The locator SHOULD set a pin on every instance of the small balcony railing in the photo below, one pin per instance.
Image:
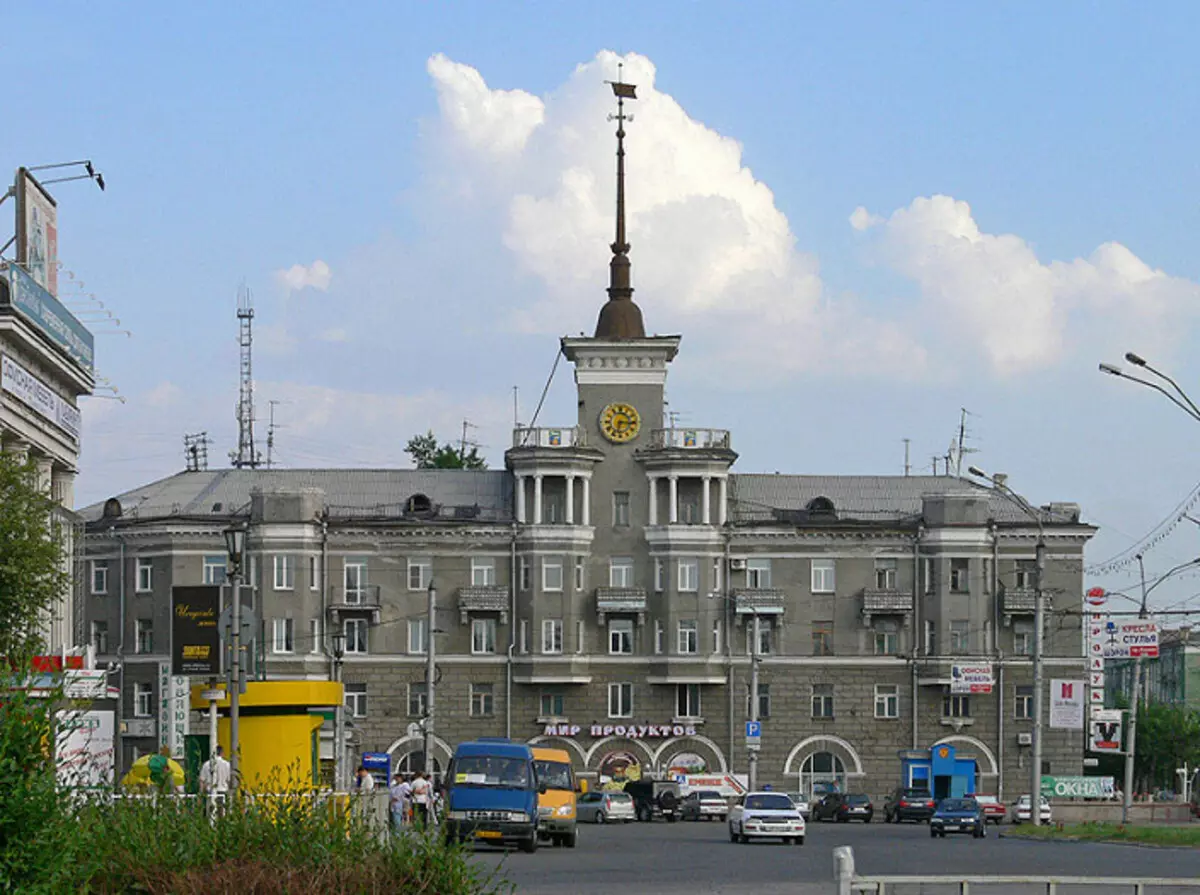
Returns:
(690, 439)
(355, 601)
(886, 601)
(483, 599)
(616, 600)
(752, 601)
(1022, 601)
(547, 437)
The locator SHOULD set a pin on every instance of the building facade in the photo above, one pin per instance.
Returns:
(1171, 679)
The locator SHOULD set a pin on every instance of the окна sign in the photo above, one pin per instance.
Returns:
(631, 731)
(1077, 787)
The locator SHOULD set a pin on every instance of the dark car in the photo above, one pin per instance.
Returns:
(958, 816)
(843, 807)
(655, 798)
(703, 805)
(908, 803)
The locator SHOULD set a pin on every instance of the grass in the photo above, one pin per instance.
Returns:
(1104, 832)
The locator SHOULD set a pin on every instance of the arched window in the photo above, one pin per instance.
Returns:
(822, 773)
(419, 503)
(822, 507)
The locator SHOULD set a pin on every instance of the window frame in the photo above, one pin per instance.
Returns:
(357, 624)
(554, 699)
(960, 575)
(822, 634)
(99, 566)
(887, 698)
(624, 699)
(1023, 702)
(552, 636)
(687, 571)
(286, 627)
(823, 574)
(359, 576)
(688, 698)
(314, 571)
(622, 626)
(424, 567)
(955, 705)
(283, 563)
(143, 626)
(99, 631)
(621, 509)
(550, 563)
(758, 573)
(144, 565)
(420, 628)
(718, 636)
(483, 567)
(889, 567)
(525, 576)
(580, 579)
(893, 636)
(209, 564)
(822, 704)
(416, 697)
(482, 700)
(960, 637)
(485, 646)
(143, 690)
(314, 633)
(687, 637)
(660, 575)
(355, 699)
(623, 564)
(764, 701)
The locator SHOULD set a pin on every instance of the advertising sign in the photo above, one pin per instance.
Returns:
(726, 784)
(379, 766)
(1106, 730)
(1066, 704)
(1123, 638)
(180, 714)
(1077, 787)
(195, 637)
(975, 678)
(164, 703)
(84, 748)
(50, 318)
(38, 396)
(37, 231)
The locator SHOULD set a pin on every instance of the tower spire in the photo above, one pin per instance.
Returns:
(620, 318)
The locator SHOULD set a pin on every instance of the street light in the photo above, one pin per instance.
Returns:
(1039, 612)
(337, 644)
(235, 547)
(430, 682)
(756, 645)
(1189, 407)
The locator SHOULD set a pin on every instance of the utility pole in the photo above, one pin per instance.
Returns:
(430, 681)
(340, 781)
(1039, 633)
(907, 467)
(1131, 736)
(235, 546)
(754, 653)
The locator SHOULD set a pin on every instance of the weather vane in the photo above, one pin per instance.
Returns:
(622, 92)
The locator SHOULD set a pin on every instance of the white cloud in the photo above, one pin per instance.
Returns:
(315, 276)
(165, 394)
(713, 256)
(991, 290)
(336, 334)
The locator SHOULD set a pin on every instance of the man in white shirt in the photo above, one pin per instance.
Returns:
(420, 799)
(366, 782)
(214, 777)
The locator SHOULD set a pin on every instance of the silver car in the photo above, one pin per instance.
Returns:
(800, 800)
(605, 807)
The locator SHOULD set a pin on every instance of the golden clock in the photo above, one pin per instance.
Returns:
(620, 422)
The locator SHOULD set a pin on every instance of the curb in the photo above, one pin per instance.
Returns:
(1083, 841)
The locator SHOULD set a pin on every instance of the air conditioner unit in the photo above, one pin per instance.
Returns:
(737, 565)
(1024, 739)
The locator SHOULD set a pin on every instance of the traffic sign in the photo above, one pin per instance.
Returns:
(753, 734)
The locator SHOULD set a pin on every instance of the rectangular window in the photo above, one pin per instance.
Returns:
(483, 636)
(620, 637)
(580, 642)
(620, 509)
(885, 574)
(822, 638)
(960, 637)
(579, 579)
(355, 630)
(765, 638)
(822, 700)
(660, 576)
(620, 700)
(1023, 638)
(927, 573)
(145, 636)
(716, 575)
(689, 575)
(956, 705)
(483, 698)
(523, 635)
(526, 578)
(314, 635)
(417, 703)
(960, 576)
(887, 701)
(620, 571)
(314, 573)
(886, 641)
(145, 576)
(100, 576)
(554, 508)
(552, 573)
(716, 637)
(418, 635)
(687, 640)
(354, 575)
(658, 638)
(1023, 704)
(356, 700)
(552, 705)
(987, 576)
(689, 509)
(552, 636)
(823, 576)
(758, 573)
(420, 572)
(764, 701)
(1025, 575)
(930, 638)
(483, 571)
(216, 569)
(687, 701)
(100, 637)
(285, 572)
(283, 635)
(143, 700)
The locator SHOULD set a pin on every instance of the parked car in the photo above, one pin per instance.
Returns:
(766, 815)
(908, 803)
(993, 809)
(800, 800)
(703, 805)
(1020, 810)
(958, 816)
(655, 798)
(605, 808)
(843, 807)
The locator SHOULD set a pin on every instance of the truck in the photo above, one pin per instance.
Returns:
(493, 794)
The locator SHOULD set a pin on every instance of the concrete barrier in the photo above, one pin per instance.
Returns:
(1110, 812)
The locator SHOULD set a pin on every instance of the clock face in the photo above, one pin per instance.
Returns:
(619, 422)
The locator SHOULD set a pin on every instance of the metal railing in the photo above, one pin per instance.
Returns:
(690, 439)
(548, 437)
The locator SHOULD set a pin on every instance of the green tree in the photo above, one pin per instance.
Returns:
(33, 574)
(428, 454)
(1168, 736)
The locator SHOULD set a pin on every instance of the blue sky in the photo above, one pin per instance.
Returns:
(1026, 180)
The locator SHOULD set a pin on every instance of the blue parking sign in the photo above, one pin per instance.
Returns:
(753, 730)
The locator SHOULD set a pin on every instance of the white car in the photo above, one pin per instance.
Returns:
(600, 807)
(766, 815)
(1020, 810)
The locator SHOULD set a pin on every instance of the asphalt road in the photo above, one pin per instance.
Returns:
(698, 858)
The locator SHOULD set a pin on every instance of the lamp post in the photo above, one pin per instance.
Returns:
(752, 714)
(1039, 613)
(235, 547)
(338, 645)
(430, 682)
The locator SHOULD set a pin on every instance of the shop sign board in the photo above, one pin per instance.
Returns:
(1077, 787)
(195, 637)
(39, 397)
(1066, 704)
(1123, 638)
(48, 315)
(1105, 730)
(84, 748)
(974, 678)
(631, 731)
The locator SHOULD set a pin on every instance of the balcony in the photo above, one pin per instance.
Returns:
(1021, 601)
(544, 437)
(621, 600)
(750, 601)
(355, 602)
(483, 599)
(690, 439)
(885, 601)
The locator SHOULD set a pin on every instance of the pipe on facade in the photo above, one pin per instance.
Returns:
(729, 621)
(121, 655)
(916, 632)
(995, 590)
(325, 633)
(512, 631)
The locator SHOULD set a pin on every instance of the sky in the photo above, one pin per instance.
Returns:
(861, 217)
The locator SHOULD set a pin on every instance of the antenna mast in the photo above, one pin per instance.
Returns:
(245, 455)
(195, 451)
(271, 434)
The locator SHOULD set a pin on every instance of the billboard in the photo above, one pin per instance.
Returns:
(195, 637)
(1106, 730)
(84, 748)
(35, 303)
(974, 678)
(37, 232)
(1122, 638)
(1066, 704)
(39, 397)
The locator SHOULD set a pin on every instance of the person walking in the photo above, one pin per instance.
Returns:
(365, 782)
(396, 800)
(214, 779)
(421, 797)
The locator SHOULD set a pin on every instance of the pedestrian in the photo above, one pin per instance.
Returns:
(365, 782)
(406, 795)
(161, 775)
(214, 778)
(396, 802)
(421, 795)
